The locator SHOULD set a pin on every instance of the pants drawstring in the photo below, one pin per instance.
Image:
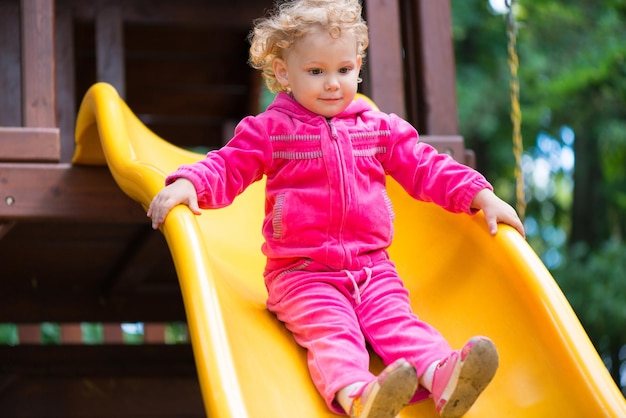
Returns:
(358, 289)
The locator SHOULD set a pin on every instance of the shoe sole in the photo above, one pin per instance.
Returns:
(477, 370)
(396, 391)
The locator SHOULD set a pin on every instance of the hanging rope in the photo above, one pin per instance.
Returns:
(516, 111)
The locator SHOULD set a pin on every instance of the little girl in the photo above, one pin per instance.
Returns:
(328, 219)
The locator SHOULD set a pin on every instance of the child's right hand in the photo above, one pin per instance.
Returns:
(181, 191)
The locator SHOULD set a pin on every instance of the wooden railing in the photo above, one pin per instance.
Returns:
(29, 132)
(94, 333)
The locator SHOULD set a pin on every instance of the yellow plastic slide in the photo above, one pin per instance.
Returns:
(462, 280)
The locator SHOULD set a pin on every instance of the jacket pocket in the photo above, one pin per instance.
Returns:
(277, 217)
(392, 214)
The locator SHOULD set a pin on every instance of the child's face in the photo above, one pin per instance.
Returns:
(322, 72)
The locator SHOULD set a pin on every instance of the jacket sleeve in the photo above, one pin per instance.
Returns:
(227, 172)
(428, 175)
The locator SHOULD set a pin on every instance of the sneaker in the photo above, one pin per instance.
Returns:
(385, 396)
(459, 379)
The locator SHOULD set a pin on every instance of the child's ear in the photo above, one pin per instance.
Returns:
(280, 72)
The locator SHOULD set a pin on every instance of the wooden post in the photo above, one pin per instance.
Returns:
(71, 333)
(37, 139)
(29, 333)
(154, 333)
(112, 333)
(385, 56)
(66, 79)
(10, 76)
(38, 63)
(437, 67)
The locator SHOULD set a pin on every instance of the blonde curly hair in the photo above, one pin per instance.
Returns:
(293, 19)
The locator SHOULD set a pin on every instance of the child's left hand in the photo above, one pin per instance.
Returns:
(497, 210)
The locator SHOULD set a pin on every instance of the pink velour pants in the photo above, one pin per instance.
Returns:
(334, 314)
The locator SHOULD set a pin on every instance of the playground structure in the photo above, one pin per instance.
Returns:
(74, 248)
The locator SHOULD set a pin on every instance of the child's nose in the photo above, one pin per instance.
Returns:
(332, 83)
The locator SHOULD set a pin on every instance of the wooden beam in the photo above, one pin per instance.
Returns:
(103, 360)
(77, 381)
(125, 275)
(110, 45)
(385, 56)
(35, 306)
(63, 191)
(434, 21)
(102, 397)
(38, 64)
(196, 12)
(452, 145)
(30, 144)
(6, 227)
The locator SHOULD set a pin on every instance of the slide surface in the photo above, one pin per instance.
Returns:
(462, 280)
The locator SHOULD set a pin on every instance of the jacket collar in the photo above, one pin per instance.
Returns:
(285, 103)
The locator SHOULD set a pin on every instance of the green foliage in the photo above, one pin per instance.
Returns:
(612, 145)
(93, 333)
(8, 334)
(595, 287)
(575, 66)
(605, 270)
(50, 333)
(132, 333)
(176, 333)
(572, 75)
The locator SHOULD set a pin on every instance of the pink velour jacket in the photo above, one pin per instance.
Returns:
(326, 199)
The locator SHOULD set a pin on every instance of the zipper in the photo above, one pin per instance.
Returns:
(343, 189)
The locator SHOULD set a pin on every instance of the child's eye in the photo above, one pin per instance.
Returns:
(344, 70)
(315, 71)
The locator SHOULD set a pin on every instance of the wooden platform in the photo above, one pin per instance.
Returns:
(73, 247)
(99, 381)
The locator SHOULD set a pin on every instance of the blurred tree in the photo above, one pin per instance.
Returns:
(573, 93)
(579, 74)
(594, 282)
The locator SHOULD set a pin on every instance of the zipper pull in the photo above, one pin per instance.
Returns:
(333, 130)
